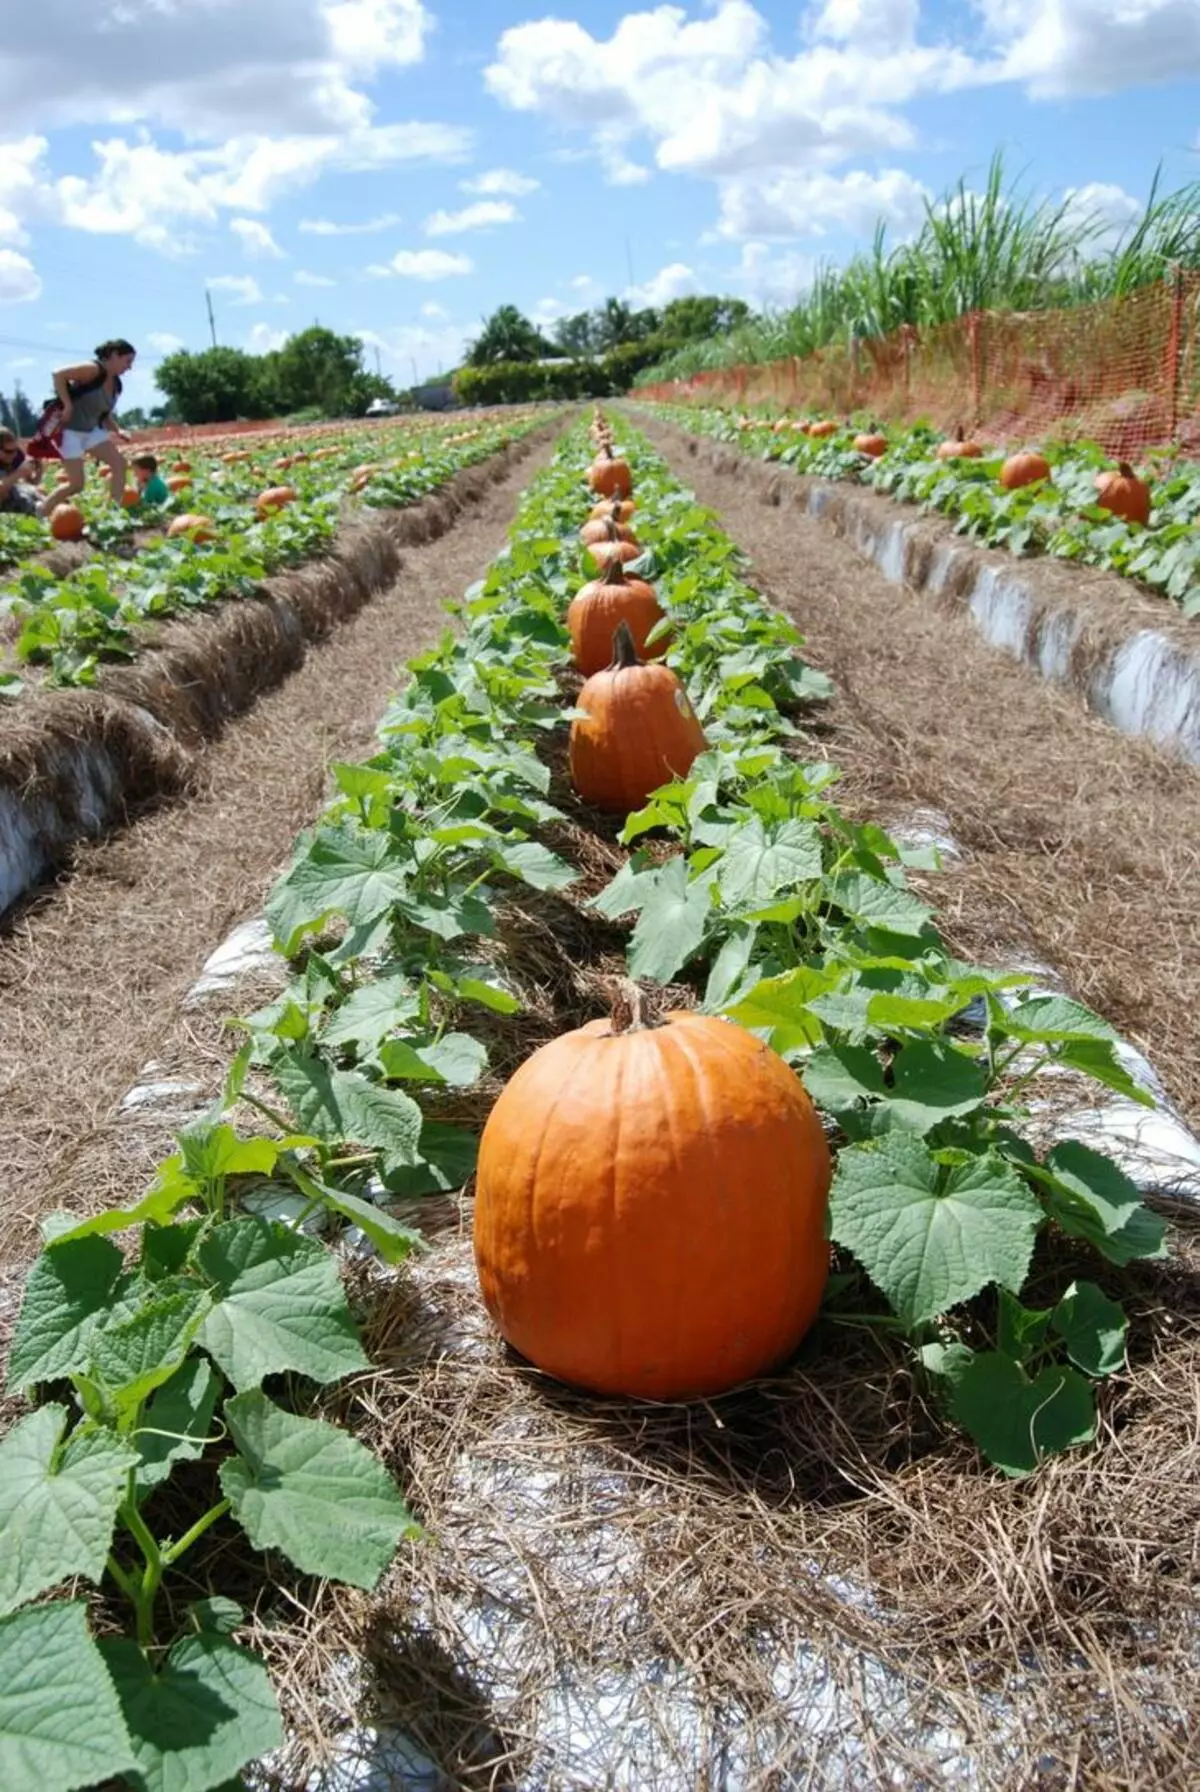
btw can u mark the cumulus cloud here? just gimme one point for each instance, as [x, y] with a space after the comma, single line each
[501, 180]
[417, 347]
[255, 238]
[302, 277]
[480, 216]
[164, 343]
[425, 264]
[810, 203]
[1094, 46]
[368, 227]
[262, 338]
[671, 282]
[20, 282]
[243, 289]
[772, 278]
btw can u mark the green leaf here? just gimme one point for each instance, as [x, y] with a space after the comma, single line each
[57, 1505]
[1098, 1059]
[133, 1357]
[930, 1236]
[760, 861]
[781, 1007]
[281, 1305]
[1045, 1018]
[933, 1080]
[1144, 1234]
[455, 1058]
[341, 871]
[729, 967]
[176, 1422]
[1094, 1181]
[629, 891]
[1019, 1329]
[344, 1107]
[1092, 1327]
[197, 1721]
[448, 915]
[1018, 1422]
[670, 926]
[534, 864]
[371, 1013]
[839, 1077]
[448, 1156]
[486, 989]
[70, 1288]
[393, 1241]
[313, 1492]
[875, 904]
[61, 1727]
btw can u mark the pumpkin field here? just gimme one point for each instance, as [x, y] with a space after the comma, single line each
[652, 1244]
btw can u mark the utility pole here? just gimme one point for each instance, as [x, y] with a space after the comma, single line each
[212, 322]
[378, 366]
[412, 361]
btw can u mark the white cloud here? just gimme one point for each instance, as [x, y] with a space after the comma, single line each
[208, 68]
[424, 264]
[480, 216]
[584, 283]
[255, 238]
[302, 277]
[22, 361]
[430, 309]
[547, 311]
[808, 203]
[501, 180]
[669, 283]
[770, 278]
[262, 338]
[1106, 211]
[20, 282]
[243, 289]
[164, 343]
[369, 227]
[880, 25]
[410, 346]
[1094, 46]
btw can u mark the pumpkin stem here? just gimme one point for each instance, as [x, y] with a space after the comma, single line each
[1125, 470]
[614, 572]
[628, 1013]
[624, 649]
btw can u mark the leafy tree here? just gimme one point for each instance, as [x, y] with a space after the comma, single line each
[317, 367]
[508, 335]
[576, 335]
[217, 385]
[690, 319]
[17, 414]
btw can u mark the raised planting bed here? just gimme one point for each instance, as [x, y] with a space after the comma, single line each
[608, 1591]
[1034, 593]
[149, 692]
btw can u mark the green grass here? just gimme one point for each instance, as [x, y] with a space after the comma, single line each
[999, 249]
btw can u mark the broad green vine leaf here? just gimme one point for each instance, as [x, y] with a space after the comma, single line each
[670, 926]
[1017, 1422]
[70, 1288]
[368, 1015]
[344, 1107]
[728, 973]
[1092, 1327]
[177, 1421]
[61, 1727]
[280, 1305]
[534, 864]
[138, 1354]
[1019, 1329]
[313, 1492]
[1091, 1197]
[58, 1504]
[875, 904]
[781, 1008]
[339, 871]
[455, 1058]
[760, 861]
[448, 915]
[393, 1241]
[933, 1080]
[1046, 1018]
[200, 1718]
[840, 1077]
[448, 1157]
[928, 1235]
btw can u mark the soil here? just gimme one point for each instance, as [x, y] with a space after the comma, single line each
[1081, 844]
[93, 970]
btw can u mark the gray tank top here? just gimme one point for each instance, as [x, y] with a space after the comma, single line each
[90, 404]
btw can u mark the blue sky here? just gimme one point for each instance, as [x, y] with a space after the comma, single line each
[397, 168]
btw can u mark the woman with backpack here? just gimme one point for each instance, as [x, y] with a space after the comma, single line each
[85, 399]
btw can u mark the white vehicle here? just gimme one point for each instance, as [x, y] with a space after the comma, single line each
[382, 407]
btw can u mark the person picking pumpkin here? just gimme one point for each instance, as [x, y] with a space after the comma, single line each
[151, 486]
[16, 499]
[86, 396]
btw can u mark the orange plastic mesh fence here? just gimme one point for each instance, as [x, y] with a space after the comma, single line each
[1122, 372]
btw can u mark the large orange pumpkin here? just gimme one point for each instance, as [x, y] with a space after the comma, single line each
[1124, 494]
[650, 1207]
[1024, 468]
[640, 731]
[67, 523]
[597, 608]
[610, 476]
[604, 553]
[605, 528]
[276, 498]
[824, 428]
[959, 447]
[178, 482]
[620, 509]
[196, 528]
[872, 444]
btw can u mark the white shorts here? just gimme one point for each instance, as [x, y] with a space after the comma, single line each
[76, 442]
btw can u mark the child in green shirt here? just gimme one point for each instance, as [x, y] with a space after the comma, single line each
[152, 487]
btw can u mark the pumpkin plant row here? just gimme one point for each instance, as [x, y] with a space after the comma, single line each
[1063, 499]
[175, 1381]
[233, 519]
